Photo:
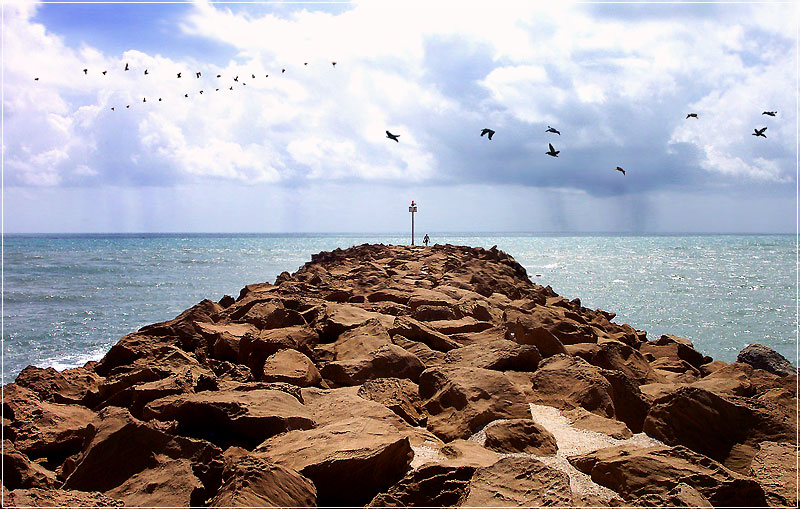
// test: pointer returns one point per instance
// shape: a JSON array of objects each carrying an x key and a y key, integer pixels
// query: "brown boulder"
[
  {"x": 567, "y": 382},
  {"x": 519, "y": 482},
  {"x": 399, "y": 395},
  {"x": 387, "y": 361},
  {"x": 428, "y": 313},
  {"x": 430, "y": 358},
  {"x": 231, "y": 417},
  {"x": 681, "y": 495},
  {"x": 170, "y": 483},
  {"x": 520, "y": 435},
  {"x": 634, "y": 472},
  {"x": 465, "y": 325},
  {"x": 775, "y": 469},
  {"x": 338, "y": 318},
  {"x": 135, "y": 397},
  {"x": 249, "y": 481},
  {"x": 499, "y": 354},
  {"x": 417, "y": 331},
  {"x": 525, "y": 330},
  {"x": 20, "y": 472},
  {"x": 271, "y": 315},
  {"x": 41, "y": 497},
  {"x": 763, "y": 357},
  {"x": 431, "y": 485},
  {"x": 71, "y": 386},
  {"x": 733, "y": 380},
  {"x": 460, "y": 401},
  {"x": 674, "y": 347},
  {"x": 292, "y": 367},
  {"x": 357, "y": 342},
  {"x": 621, "y": 357},
  {"x": 584, "y": 419},
  {"x": 462, "y": 452},
  {"x": 349, "y": 462}
]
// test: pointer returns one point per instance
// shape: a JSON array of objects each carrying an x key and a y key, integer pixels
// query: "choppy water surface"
[{"x": 67, "y": 299}]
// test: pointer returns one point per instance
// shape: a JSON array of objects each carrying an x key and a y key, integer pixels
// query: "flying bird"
[
  {"x": 760, "y": 132},
  {"x": 104, "y": 73},
  {"x": 552, "y": 152},
  {"x": 112, "y": 108},
  {"x": 253, "y": 75},
  {"x": 551, "y": 130},
  {"x": 35, "y": 79},
  {"x": 692, "y": 115},
  {"x": 185, "y": 95},
  {"x": 219, "y": 75},
  {"x": 393, "y": 136},
  {"x": 159, "y": 99},
  {"x": 231, "y": 88},
  {"x": 145, "y": 72},
  {"x": 126, "y": 67},
  {"x": 179, "y": 75},
  {"x": 236, "y": 78},
  {"x": 487, "y": 131},
  {"x": 86, "y": 71},
  {"x": 620, "y": 169},
  {"x": 283, "y": 71},
  {"x": 128, "y": 106},
  {"x": 217, "y": 90},
  {"x": 770, "y": 113},
  {"x": 334, "y": 64},
  {"x": 198, "y": 74},
  {"x": 266, "y": 75},
  {"x": 201, "y": 91}
]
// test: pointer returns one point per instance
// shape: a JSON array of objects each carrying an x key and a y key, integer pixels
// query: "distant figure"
[
  {"x": 620, "y": 169},
  {"x": 128, "y": 106},
  {"x": 144, "y": 99},
  {"x": 198, "y": 74},
  {"x": 426, "y": 240},
  {"x": 86, "y": 71},
  {"x": 691, "y": 115},
  {"x": 487, "y": 131},
  {"x": 552, "y": 152},
  {"x": 760, "y": 132},
  {"x": 159, "y": 99},
  {"x": 126, "y": 67},
  {"x": 770, "y": 113},
  {"x": 552, "y": 130},
  {"x": 179, "y": 75},
  {"x": 393, "y": 136}
]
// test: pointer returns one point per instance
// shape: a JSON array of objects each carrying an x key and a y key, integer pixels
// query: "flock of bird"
[{"x": 484, "y": 132}]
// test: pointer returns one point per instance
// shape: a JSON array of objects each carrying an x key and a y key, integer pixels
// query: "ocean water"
[{"x": 68, "y": 298}]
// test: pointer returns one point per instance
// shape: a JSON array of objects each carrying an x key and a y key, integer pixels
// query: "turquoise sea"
[{"x": 68, "y": 298}]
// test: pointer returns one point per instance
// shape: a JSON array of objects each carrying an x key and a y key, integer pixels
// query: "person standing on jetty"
[{"x": 426, "y": 239}]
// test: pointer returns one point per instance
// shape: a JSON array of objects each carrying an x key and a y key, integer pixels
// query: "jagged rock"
[
  {"x": 356, "y": 343},
  {"x": 430, "y": 358},
  {"x": 763, "y": 357},
  {"x": 712, "y": 425},
  {"x": 225, "y": 338},
  {"x": 568, "y": 382},
  {"x": 775, "y": 469},
  {"x": 630, "y": 405},
  {"x": 525, "y": 330},
  {"x": 634, "y": 472},
  {"x": 681, "y": 495},
  {"x": 135, "y": 397},
  {"x": 272, "y": 315},
  {"x": 338, "y": 318},
  {"x": 71, "y": 386},
  {"x": 170, "y": 483},
  {"x": 518, "y": 482},
  {"x": 584, "y": 419},
  {"x": 432, "y": 485},
  {"x": 499, "y": 354},
  {"x": 249, "y": 481},
  {"x": 733, "y": 379},
  {"x": 674, "y": 347},
  {"x": 388, "y": 360},
  {"x": 520, "y": 435},
  {"x": 463, "y": 325},
  {"x": 428, "y": 313},
  {"x": 292, "y": 367},
  {"x": 459, "y": 401},
  {"x": 231, "y": 417},
  {"x": 416, "y": 331},
  {"x": 20, "y": 472},
  {"x": 42, "y": 429},
  {"x": 462, "y": 452},
  {"x": 254, "y": 349},
  {"x": 621, "y": 357},
  {"x": 349, "y": 462},
  {"x": 399, "y": 395},
  {"x": 48, "y": 497}
]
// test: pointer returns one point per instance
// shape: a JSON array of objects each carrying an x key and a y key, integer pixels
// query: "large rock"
[
  {"x": 462, "y": 452},
  {"x": 232, "y": 417},
  {"x": 399, "y": 395},
  {"x": 254, "y": 349},
  {"x": 432, "y": 485},
  {"x": 349, "y": 462},
  {"x": 292, "y": 367},
  {"x": 249, "y": 481},
  {"x": 675, "y": 348},
  {"x": 681, "y": 495},
  {"x": 170, "y": 483},
  {"x": 21, "y": 472},
  {"x": 41, "y": 497},
  {"x": 387, "y": 361},
  {"x": 356, "y": 343},
  {"x": 763, "y": 357},
  {"x": 499, "y": 354},
  {"x": 568, "y": 382},
  {"x": 713, "y": 425},
  {"x": 583, "y": 419},
  {"x": 520, "y": 435},
  {"x": 460, "y": 401},
  {"x": 621, "y": 357},
  {"x": 634, "y": 472},
  {"x": 519, "y": 482},
  {"x": 417, "y": 331},
  {"x": 525, "y": 330},
  {"x": 775, "y": 469},
  {"x": 71, "y": 386}
]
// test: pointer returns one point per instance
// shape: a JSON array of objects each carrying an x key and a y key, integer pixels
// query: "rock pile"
[{"x": 360, "y": 379}]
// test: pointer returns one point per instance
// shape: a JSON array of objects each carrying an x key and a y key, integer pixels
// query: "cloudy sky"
[{"x": 305, "y": 150}]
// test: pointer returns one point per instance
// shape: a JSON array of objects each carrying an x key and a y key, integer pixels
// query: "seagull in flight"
[
  {"x": 552, "y": 152},
  {"x": 179, "y": 75},
  {"x": 104, "y": 73},
  {"x": 126, "y": 67},
  {"x": 236, "y": 78},
  {"x": 145, "y": 72},
  {"x": 283, "y": 71},
  {"x": 334, "y": 64},
  {"x": 393, "y": 136},
  {"x": 770, "y": 113},
  {"x": 692, "y": 115},
  {"x": 552, "y": 130},
  {"x": 620, "y": 169},
  {"x": 112, "y": 108},
  {"x": 487, "y": 131},
  {"x": 759, "y": 132},
  {"x": 198, "y": 74},
  {"x": 86, "y": 71}
]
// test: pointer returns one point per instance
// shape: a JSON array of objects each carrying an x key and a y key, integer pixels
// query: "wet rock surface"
[{"x": 402, "y": 376}]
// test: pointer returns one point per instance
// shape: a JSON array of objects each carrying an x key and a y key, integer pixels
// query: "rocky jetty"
[{"x": 402, "y": 376}]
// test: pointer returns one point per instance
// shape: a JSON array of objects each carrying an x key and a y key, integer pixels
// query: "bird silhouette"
[
  {"x": 487, "y": 131},
  {"x": 231, "y": 88},
  {"x": 219, "y": 75},
  {"x": 185, "y": 95},
  {"x": 266, "y": 75},
  {"x": 551, "y": 130},
  {"x": 217, "y": 90},
  {"x": 305, "y": 63},
  {"x": 145, "y": 72},
  {"x": 253, "y": 75},
  {"x": 201, "y": 92},
  {"x": 760, "y": 132},
  {"x": 104, "y": 73},
  {"x": 86, "y": 71},
  {"x": 393, "y": 136},
  {"x": 112, "y": 108},
  {"x": 770, "y": 113},
  {"x": 692, "y": 115},
  {"x": 236, "y": 78},
  {"x": 333, "y": 63},
  {"x": 283, "y": 71},
  {"x": 159, "y": 99},
  {"x": 620, "y": 169},
  {"x": 244, "y": 84},
  {"x": 35, "y": 79},
  {"x": 126, "y": 67},
  {"x": 552, "y": 152},
  {"x": 128, "y": 106},
  {"x": 198, "y": 74},
  {"x": 179, "y": 75}
]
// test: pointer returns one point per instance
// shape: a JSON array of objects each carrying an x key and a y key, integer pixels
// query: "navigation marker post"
[{"x": 412, "y": 209}]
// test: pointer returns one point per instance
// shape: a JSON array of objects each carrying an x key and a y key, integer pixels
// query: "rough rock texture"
[
  {"x": 39, "y": 497},
  {"x": 323, "y": 386}
]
